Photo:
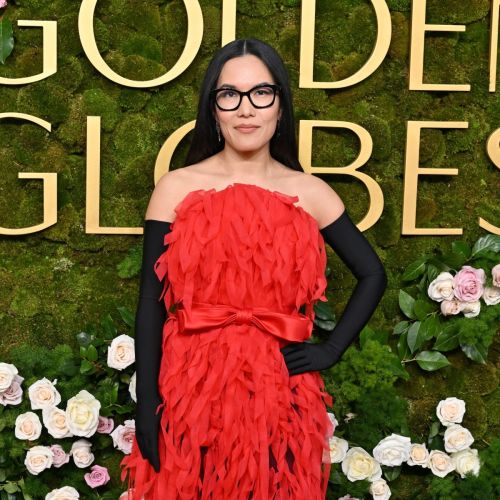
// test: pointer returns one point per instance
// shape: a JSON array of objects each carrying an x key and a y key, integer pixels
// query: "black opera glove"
[
  {"x": 149, "y": 320},
  {"x": 348, "y": 242}
]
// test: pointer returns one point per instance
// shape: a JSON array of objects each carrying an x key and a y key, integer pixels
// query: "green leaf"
[
  {"x": 11, "y": 487},
  {"x": 432, "y": 272},
  {"x": 415, "y": 337},
  {"x": 108, "y": 327},
  {"x": 84, "y": 339},
  {"x": 83, "y": 351},
  {"x": 92, "y": 353},
  {"x": 127, "y": 316},
  {"x": 461, "y": 247},
  {"x": 415, "y": 269},
  {"x": 447, "y": 339},
  {"x": 422, "y": 308},
  {"x": 6, "y": 39},
  {"x": 392, "y": 473},
  {"x": 406, "y": 302},
  {"x": 434, "y": 430},
  {"x": 486, "y": 244},
  {"x": 401, "y": 327},
  {"x": 324, "y": 311},
  {"x": 477, "y": 353},
  {"x": 86, "y": 366},
  {"x": 325, "y": 325},
  {"x": 402, "y": 345},
  {"x": 431, "y": 360}
]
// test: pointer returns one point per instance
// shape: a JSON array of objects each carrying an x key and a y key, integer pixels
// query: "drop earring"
[{"x": 218, "y": 130}]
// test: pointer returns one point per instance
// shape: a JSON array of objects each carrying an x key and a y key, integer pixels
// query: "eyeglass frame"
[{"x": 276, "y": 90}]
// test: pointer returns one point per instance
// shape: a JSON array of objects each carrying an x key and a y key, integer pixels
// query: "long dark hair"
[{"x": 205, "y": 142}]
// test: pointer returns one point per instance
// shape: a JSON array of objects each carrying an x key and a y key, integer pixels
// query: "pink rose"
[
  {"x": 60, "y": 456},
  {"x": 468, "y": 284},
  {"x": 97, "y": 477},
  {"x": 495, "y": 274},
  {"x": 105, "y": 425},
  {"x": 13, "y": 395},
  {"x": 123, "y": 436},
  {"x": 3, "y": 3}
]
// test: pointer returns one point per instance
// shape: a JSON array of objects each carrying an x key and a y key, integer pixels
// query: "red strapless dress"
[{"x": 239, "y": 264}]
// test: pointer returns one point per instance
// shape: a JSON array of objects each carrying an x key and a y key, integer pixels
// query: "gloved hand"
[
  {"x": 149, "y": 320},
  {"x": 356, "y": 252}
]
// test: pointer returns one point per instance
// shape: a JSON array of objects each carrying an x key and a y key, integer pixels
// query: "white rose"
[
  {"x": 392, "y": 450},
  {"x": 419, "y": 455},
  {"x": 28, "y": 426},
  {"x": 64, "y": 493},
  {"x": 380, "y": 490},
  {"x": 121, "y": 352},
  {"x": 451, "y": 307},
  {"x": 82, "y": 414},
  {"x": 38, "y": 458},
  {"x": 466, "y": 461},
  {"x": 457, "y": 438},
  {"x": 450, "y": 411},
  {"x": 348, "y": 497},
  {"x": 338, "y": 449},
  {"x": 55, "y": 420},
  {"x": 123, "y": 436},
  {"x": 332, "y": 418},
  {"x": 471, "y": 309},
  {"x": 80, "y": 451},
  {"x": 7, "y": 372},
  {"x": 358, "y": 465},
  {"x": 132, "y": 387},
  {"x": 13, "y": 395},
  {"x": 491, "y": 295},
  {"x": 441, "y": 288},
  {"x": 43, "y": 394},
  {"x": 440, "y": 463}
]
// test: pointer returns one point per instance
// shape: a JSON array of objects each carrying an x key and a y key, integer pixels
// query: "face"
[{"x": 243, "y": 73}]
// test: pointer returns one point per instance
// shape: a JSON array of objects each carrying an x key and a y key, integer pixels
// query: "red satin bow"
[{"x": 203, "y": 317}]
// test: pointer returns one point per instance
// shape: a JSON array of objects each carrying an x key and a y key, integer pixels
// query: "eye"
[
  {"x": 263, "y": 90},
  {"x": 226, "y": 93}
]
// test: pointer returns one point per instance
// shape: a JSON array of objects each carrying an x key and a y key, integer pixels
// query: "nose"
[{"x": 246, "y": 108}]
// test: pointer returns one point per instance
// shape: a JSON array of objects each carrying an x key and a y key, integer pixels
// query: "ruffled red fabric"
[{"x": 235, "y": 425}]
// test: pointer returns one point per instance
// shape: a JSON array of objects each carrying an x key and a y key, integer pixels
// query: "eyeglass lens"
[{"x": 260, "y": 97}]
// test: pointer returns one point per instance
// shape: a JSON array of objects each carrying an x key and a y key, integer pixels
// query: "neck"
[{"x": 247, "y": 164}]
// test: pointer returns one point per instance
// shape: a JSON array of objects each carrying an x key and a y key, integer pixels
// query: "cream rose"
[
  {"x": 55, "y": 420},
  {"x": 495, "y": 274},
  {"x": 466, "y": 461},
  {"x": 471, "y": 309},
  {"x": 440, "y": 463},
  {"x": 38, "y": 459},
  {"x": 491, "y": 295},
  {"x": 338, "y": 449},
  {"x": 132, "y": 387},
  {"x": 7, "y": 373},
  {"x": 450, "y": 411},
  {"x": 121, "y": 352},
  {"x": 380, "y": 490},
  {"x": 123, "y": 436},
  {"x": 43, "y": 394},
  {"x": 13, "y": 395},
  {"x": 419, "y": 455},
  {"x": 441, "y": 288},
  {"x": 451, "y": 307},
  {"x": 64, "y": 493},
  {"x": 80, "y": 451},
  {"x": 358, "y": 464},
  {"x": 457, "y": 438},
  {"x": 82, "y": 414},
  {"x": 28, "y": 426},
  {"x": 392, "y": 450}
]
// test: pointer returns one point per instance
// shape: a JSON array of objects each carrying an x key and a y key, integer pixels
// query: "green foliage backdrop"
[{"x": 55, "y": 281}]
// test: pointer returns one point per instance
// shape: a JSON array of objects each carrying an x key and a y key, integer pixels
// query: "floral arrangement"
[
  {"x": 395, "y": 450},
  {"x": 80, "y": 417},
  {"x": 446, "y": 308}
]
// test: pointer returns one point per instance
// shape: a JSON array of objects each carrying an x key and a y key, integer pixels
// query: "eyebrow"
[{"x": 229, "y": 86}]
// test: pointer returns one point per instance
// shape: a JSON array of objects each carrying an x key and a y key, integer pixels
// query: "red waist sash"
[{"x": 203, "y": 317}]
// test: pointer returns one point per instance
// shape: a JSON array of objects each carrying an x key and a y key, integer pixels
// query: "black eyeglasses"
[{"x": 261, "y": 96}]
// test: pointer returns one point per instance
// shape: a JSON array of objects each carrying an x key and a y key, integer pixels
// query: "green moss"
[{"x": 97, "y": 103}]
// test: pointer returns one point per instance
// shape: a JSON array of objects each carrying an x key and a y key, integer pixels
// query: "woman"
[{"x": 230, "y": 402}]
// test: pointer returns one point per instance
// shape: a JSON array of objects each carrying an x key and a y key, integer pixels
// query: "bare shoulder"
[{"x": 321, "y": 200}]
